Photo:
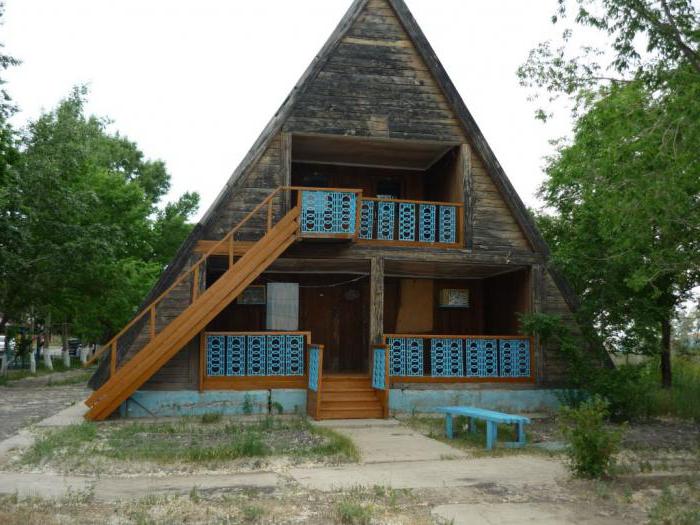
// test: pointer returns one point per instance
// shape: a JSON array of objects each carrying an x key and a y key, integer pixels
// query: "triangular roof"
[{"x": 467, "y": 122}]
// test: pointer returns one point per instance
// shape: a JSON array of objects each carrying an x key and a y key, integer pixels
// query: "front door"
[{"x": 335, "y": 309}]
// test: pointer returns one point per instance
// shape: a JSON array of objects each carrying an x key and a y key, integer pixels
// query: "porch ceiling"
[{"x": 368, "y": 152}]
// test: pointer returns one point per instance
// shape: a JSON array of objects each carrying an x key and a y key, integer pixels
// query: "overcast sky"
[{"x": 194, "y": 83}]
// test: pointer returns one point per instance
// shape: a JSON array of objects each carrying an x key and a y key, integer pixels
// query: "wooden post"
[
  {"x": 465, "y": 158},
  {"x": 195, "y": 283},
  {"x": 286, "y": 162},
  {"x": 230, "y": 251},
  {"x": 113, "y": 359},
  {"x": 269, "y": 215},
  {"x": 376, "y": 294},
  {"x": 153, "y": 321}
]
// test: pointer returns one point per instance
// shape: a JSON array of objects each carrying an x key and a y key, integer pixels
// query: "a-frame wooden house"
[{"x": 369, "y": 254}]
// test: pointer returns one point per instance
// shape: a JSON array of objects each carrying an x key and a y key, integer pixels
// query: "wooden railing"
[
  {"x": 411, "y": 222},
  {"x": 315, "y": 381},
  {"x": 380, "y": 375},
  {"x": 150, "y": 312},
  {"x": 454, "y": 358}
]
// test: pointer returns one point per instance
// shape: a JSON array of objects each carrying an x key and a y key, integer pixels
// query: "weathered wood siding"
[
  {"x": 247, "y": 192},
  {"x": 554, "y": 366},
  {"x": 180, "y": 373}
]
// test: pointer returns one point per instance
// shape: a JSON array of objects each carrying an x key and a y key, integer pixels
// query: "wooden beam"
[
  {"x": 465, "y": 157},
  {"x": 240, "y": 248},
  {"x": 376, "y": 313},
  {"x": 286, "y": 163}
]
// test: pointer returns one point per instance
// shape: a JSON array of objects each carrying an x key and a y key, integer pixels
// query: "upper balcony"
[
  {"x": 339, "y": 213},
  {"x": 379, "y": 192}
]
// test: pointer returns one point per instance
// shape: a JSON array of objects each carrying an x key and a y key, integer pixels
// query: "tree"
[
  {"x": 623, "y": 196},
  {"x": 95, "y": 237}
]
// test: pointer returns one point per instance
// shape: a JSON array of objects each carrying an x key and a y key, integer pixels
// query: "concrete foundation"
[
  {"x": 516, "y": 400},
  {"x": 153, "y": 403}
]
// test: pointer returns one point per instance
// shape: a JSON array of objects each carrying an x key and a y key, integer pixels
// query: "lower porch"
[{"x": 353, "y": 340}]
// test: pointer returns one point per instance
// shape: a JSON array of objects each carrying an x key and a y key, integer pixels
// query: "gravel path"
[{"x": 23, "y": 405}]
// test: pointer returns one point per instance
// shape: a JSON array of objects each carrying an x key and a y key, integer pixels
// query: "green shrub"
[
  {"x": 211, "y": 417},
  {"x": 591, "y": 446},
  {"x": 353, "y": 513}
]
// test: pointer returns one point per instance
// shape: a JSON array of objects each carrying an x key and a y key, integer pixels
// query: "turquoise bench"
[{"x": 492, "y": 419}]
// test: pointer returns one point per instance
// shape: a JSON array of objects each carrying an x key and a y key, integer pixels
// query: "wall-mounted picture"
[
  {"x": 454, "y": 298},
  {"x": 253, "y": 295}
]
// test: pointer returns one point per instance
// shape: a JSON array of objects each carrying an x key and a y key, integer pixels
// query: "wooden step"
[
  {"x": 349, "y": 395},
  {"x": 352, "y": 413},
  {"x": 325, "y": 403}
]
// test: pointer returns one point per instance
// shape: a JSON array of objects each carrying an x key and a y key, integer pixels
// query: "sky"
[{"x": 194, "y": 83}]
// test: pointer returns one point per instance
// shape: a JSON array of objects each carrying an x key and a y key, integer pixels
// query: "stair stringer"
[{"x": 193, "y": 319}]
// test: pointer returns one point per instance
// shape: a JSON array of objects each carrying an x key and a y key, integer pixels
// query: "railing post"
[
  {"x": 153, "y": 321},
  {"x": 230, "y": 251},
  {"x": 113, "y": 359},
  {"x": 269, "y": 216},
  {"x": 195, "y": 282}
]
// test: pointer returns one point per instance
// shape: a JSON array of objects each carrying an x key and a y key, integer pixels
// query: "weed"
[
  {"x": 194, "y": 495},
  {"x": 353, "y": 513},
  {"x": 252, "y": 513},
  {"x": 67, "y": 440},
  {"x": 247, "y": 406},
  {"x": 211, "y": 417},
  {"x": 678, "y": 507},
  {"x": 592, "y": 446},
  {"x": 277, "y": 407}
]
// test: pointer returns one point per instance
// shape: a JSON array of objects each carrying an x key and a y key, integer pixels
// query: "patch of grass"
[
  {"x": 191, "y": 440},
  {"x": 682, "y": 399},
  {"x": 61, "y": 442},
  {"x": 76, "y": 379},
  {"x": 336, "y": 445},
  {"x": 677, "y": 507},
  {"x": 211, "y": 418},
  {"x": 352, "y": 512},
  {"x": 252, "y": 513}
]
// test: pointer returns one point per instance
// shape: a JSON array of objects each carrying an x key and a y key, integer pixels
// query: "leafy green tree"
[
  {"x": 623, "y": 196},
  {"x": 96, "y": 238}
]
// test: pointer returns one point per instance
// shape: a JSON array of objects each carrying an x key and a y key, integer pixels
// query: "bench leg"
[
  {"x": 472, "y": 425},
  {"x": 491, "y": 434},
  {"x": 448, "y": 426},
  {"x": 521, "y": 434}
]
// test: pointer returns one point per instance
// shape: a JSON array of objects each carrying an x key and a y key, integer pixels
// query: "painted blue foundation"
[
  {"x": 535, "y": 400},
  {"x": 153, "y": 403},
  {"x": 150, "y": 403}
]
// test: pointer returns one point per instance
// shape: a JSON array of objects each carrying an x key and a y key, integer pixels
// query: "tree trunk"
[
  {"x": 666, "y": 353},
  {"x": 64, "y": 346}
]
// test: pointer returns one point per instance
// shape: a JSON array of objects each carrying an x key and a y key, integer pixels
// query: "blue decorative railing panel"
[
  {"x": 314, "y": 360},
  {"x": 408, "y": 221},
  {"x": 216, "y": 350},
  {"x": 405, "y": 356},
  {"x": 386, "y": 212},
  {"x": 427, "y": 223},
  {"x": 460, "y": 357},
  {"x": 328, "y": 212},
  {"x": 446, "y": 357},
  {"x": 254, "y": 355},
  {"x": 482, "y": 358},
  {"x": 448, "y": 224},
  {"x": 367, "y": 219},
  {"x": 515, "y": 357},
  {"x": 379, "y": 369}
]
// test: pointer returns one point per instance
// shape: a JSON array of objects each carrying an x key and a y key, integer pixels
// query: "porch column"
[{"x": 376, "y": 304}]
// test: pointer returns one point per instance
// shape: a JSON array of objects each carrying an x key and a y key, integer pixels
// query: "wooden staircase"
[
  {"x": 205, "y": 306},
  {"x": 349, "y": 397}
]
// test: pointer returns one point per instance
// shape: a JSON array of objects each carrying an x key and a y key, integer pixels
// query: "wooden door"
[{"x": 338, "y": 317}]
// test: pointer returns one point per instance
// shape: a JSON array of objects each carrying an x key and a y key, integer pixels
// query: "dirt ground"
[
  {"x": 25, "y": 403},
  {"x": 658, "y": 482}
]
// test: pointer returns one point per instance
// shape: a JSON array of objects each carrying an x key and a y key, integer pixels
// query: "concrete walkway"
[
  {"x": 388, "y": 441},
  {"x": 392, "y": 456}
]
